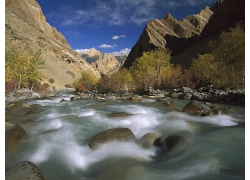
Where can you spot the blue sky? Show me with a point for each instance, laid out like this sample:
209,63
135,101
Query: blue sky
111,26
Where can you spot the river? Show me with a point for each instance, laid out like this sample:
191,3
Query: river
57,141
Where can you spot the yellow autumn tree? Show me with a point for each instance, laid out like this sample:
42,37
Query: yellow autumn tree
151,67
22,66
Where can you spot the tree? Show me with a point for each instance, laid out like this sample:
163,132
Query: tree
229,53
88,81
204,69
149,69
23,66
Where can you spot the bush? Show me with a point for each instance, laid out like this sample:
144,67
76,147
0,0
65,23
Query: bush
51,80
88,81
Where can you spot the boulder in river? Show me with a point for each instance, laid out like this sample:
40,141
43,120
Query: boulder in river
23,170
172,140
149,140
13,134
116,134
197,108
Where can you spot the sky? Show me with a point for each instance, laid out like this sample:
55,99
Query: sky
111,26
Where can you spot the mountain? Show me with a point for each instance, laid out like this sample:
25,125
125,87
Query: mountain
105,63
189,37
169,33
25,24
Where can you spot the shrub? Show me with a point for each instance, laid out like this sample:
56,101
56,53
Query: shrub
51,80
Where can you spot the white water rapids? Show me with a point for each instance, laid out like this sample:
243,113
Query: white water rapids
58,142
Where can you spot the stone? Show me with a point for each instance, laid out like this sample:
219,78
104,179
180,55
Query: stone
149,140
116,134
175,95
119,114
13,134
186,89
196,96
197,108
24,170
135,98
172,140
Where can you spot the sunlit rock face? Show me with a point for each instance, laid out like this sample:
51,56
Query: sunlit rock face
106,63
171,33
25,24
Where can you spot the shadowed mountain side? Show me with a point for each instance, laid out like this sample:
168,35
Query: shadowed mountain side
169,32
185,57
227,14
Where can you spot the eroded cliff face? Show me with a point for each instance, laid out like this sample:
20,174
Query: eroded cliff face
189,37
106,64
25,24
169,33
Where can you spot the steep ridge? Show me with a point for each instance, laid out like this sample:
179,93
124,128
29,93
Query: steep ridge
169,33
25,24
189,37
227,13
105,63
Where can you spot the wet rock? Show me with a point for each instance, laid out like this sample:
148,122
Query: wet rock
135,98
186,96
63,100
13,134
172,140
23,170
74,98
186,89
175,95
28,123
149,140
110,98
196,96
218,111
119,114
9,126
197,108
117,134
26,106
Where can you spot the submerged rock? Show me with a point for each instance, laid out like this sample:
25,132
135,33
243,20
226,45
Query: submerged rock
119,114
149,140
116,134
13,134
23,170
172,140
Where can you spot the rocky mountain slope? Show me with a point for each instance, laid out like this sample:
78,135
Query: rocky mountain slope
169,33
190,36
25,24
106,63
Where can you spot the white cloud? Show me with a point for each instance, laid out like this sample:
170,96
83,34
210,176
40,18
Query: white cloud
107,46
124,51
80,51
117,37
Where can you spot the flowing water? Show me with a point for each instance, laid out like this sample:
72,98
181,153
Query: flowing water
57,141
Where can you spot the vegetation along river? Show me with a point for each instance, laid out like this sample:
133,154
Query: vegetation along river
57,136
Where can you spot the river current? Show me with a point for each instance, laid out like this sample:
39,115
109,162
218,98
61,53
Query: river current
57,141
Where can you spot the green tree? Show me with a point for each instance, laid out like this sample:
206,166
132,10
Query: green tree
23,66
